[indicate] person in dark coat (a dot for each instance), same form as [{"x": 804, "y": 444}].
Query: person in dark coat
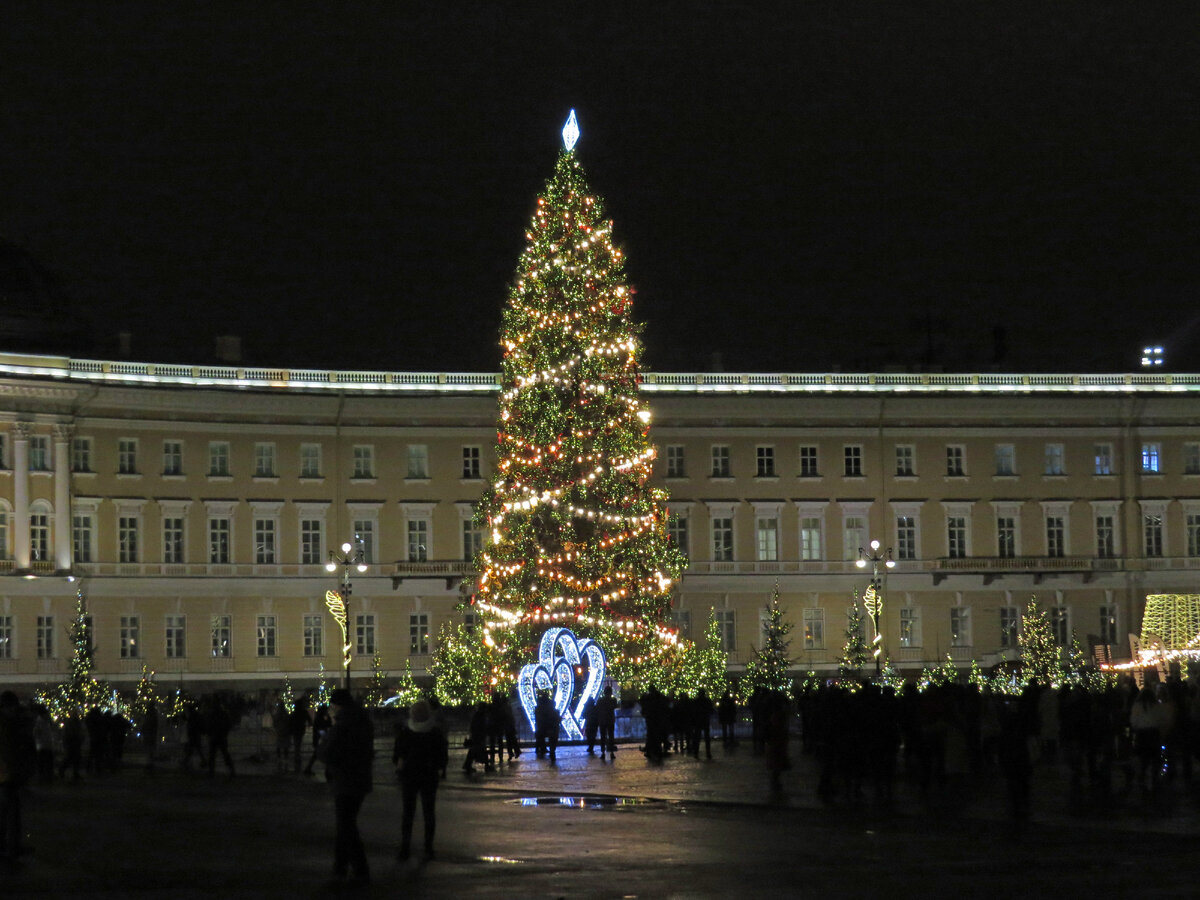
[
  {"x": 477, "y": 740},
  {"x": 347, "y": 753},
  {"x": 606, "y": 721},
  {"x": 297, "y": 726},
  {"x": 511, "y": 743},
  {"x": 727, "y": 716},
  {"x": 420, "y": 755},
  {"x": 220, "y": 723},
  {"x": 320, "y": 726},
  {"x": 547, "y": 721},
  {"x": 17, "y": 764},
  {"x": 591, "y": 725}
]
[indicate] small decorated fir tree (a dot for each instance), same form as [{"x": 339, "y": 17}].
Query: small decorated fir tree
[
  {"x": 855, "y": 651},
  {"x": 1041, "y": 659},
  {"x": 768, "y": 670}
]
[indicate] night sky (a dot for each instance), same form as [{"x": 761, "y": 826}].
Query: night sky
[{"x": 797, "y": 186}]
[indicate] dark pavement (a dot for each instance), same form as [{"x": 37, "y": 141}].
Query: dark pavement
[{"x": 585, "y": 828}]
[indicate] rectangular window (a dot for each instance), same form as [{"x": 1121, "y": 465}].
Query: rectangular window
[
  {"x": 39, "y": 454},
  {"x": 81, "y": 454},
  {"x": 852, "y": 460},
  {"x": 418, "y": 461},
  {"x": 1108, "y": 624},
  {"x": 218, "y": 458},
  {"x": 364, "y": 538},
  {"x": 266, "y": 628},
  {"x": 83, "y": 527},
  {"x": 1006, "y": 459},
  {"x": 418, "y": 633},
  {"x": 722, "y": 539},
  {"x": 6, "y": 637},
  {"x": 364, "y": 635},
  {"x": 1193, "y": 534},
  {"x": 727, "y": 626},
  {"x": 172, "y": 532},
  {"x": 1102, "y": 459},
  {"x": 364, "y": 461},
  {"x": 764, "y": 458},
  {"x": 1010, "y": 625},
  {"x": 1152, "y": 529},
  {"x": 39, "y": 535},
  {"x": 1056, "y": 536},
  {"x": 1105, "y": 537},
  {"x": 1152, "y": 459},
  {"x": 311, "y": 542},
  {"x": 127, "y": 456},
  {"x": 1060, "y": 625},
  {"x": 1006, "y": 537},
  {"x": 264, "y": 461},
  {"x": 720, "y": 461},
  {"x": 960, "y": 626},
  {"x": 176, "y": 633},
  {"x": 130, "y": 637},
  {"x": 4, "y": 534},
  {"x": 310, "y": 460},
  {"x": 910, "y": 628},
  {"x": 219, "y": 528},
  {"x": 906, "y": 537},
  {"x": 808, "y": 462},
  {"x": 221, "y": 632},
  {"x": 172, "y": 458},
  {"x": 127, "y": 539},
  {"x": 814, "y": 629},
  {"x": 956, "y": 537},
  {"x": 1191, "y": 458},
  {"x": 314, "y": 635},
  {"x": 418, "y": 540},
  {"x": 906, "y": 460},
  {"x": 264, "y": 541},
  {"x": 677, "y": 530},
  {"x": 470, "y": 463},
  {"x": 675, "y": 467},
  {"x": 45, "y": 637},
  {"x": 472, "y": 539},
  {"x": 1055, "y": 459},
  {"x": 854, "y": 536},
  {"x": 766, "y": 530},
  {"x": 955, "y": 460},
  {"x": 810, "y": 538}
]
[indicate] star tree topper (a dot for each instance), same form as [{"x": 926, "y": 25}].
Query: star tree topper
[{"x": 570, "y": 132}]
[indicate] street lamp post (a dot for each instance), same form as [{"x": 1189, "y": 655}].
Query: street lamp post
[
  {"x": 352, "y": 556},
  {"x": 873, "y": 596}
]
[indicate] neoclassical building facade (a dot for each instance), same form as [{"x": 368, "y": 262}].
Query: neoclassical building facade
[{"x": 195, "y": 508}]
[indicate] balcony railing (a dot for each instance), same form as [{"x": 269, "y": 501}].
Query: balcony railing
[{"x": 95, "y": 370}]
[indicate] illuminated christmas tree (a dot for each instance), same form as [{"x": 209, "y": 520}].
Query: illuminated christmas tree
[
  {"x": 81, "y": 692},
  {"x": 460, "y": 668},
  {"x": 323, "y": 688},
  {"x": 145, "y": 695},
  {"x": 575, "y": 536},
  {"x": 855, "y": 651},
  {"x": 769, "y": 668},
  {"x": 406, "y": 691},
  {"x": 1040, "y": 657},
  {"x": 377, "y": 689},
  {"x": 705, "y": 664}
]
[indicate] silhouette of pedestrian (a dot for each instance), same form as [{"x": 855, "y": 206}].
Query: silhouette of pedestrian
[
  {"x": 701, "y": 726},
  {"x": 606, "y": 721},
  {"x": 72, "y": 738},
  {"x": 510, "y": 730},
  {"x": 547, "y": 721},
  {"x": 419, "y": 755},
  {"x": 17, "y": 764},
  {"x": 220, "y": 723},
  {"x": 590, "y": 725},
  {"x": 297, "y": 726},
  {"x": 477, "y": 740},
  {"x": 727, "y": 717},
  {"x": 347, "y": 753}
]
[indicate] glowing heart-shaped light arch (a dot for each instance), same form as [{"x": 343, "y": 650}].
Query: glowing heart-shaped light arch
[{"x": 558, "y": 655}]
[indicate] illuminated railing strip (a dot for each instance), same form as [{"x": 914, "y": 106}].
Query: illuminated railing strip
[{"x": 110, "y": 371}]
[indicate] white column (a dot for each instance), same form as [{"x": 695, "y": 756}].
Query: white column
[
  {"x": 62, "y": 498},
  {"x": 21, "y": 543}
]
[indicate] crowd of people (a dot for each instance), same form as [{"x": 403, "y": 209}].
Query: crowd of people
[{"x": 862, "y": 737}]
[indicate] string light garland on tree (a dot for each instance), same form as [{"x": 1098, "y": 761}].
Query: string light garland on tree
[
  {"x": 855, "y": 651},
  {"x": 574, "y": 535},
  {"x": 1040, "y": 657},
  {"x": 81, "y": 692},
  {"x": 768, "y": 670}
]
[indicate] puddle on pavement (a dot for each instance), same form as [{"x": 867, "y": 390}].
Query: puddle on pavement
[{"x": 589, "y": 802}]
